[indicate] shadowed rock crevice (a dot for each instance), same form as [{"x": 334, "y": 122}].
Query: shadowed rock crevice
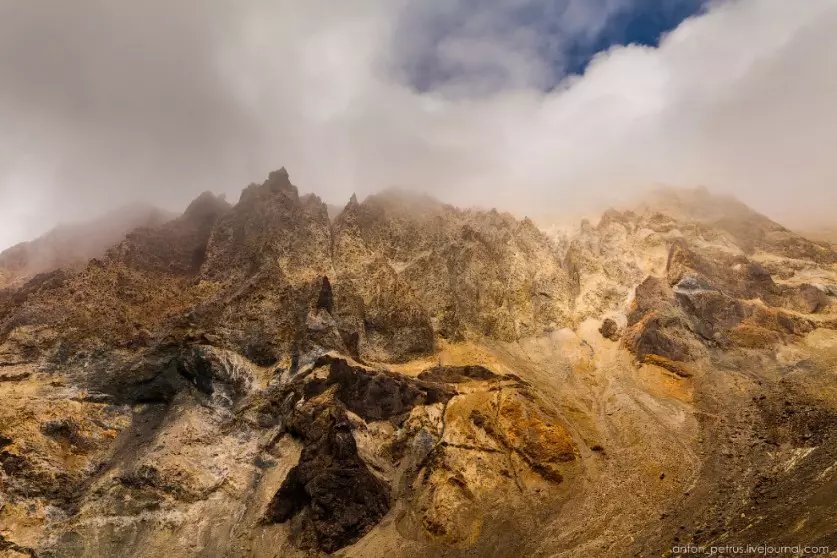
[
  {"x": 325, "y": 300},
  {"x": 373, "y": 394},
  {"x": 457, "y": 374}
]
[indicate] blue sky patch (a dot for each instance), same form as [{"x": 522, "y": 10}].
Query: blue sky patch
[
  {"x": 488, "y": 45},
  {"x": 644, "y": 23}
]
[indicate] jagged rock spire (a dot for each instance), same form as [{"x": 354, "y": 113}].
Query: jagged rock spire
[{"x": 279, "y": 180}]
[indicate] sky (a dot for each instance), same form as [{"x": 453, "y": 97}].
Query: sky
[{"x": 534, "y": 106}]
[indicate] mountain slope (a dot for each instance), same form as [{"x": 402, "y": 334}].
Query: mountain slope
[
  {"x": 409, "y": 378},
  {"x": 69, "y": 245}
]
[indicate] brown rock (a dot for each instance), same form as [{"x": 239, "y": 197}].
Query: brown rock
[
  {"x": 331, "y": 497},
  {"x": 609, "y": 329}
]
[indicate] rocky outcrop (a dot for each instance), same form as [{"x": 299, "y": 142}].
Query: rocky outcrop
[
  {"x": 659, "y": 332},
  {"x": 609, "y": 329},
  {"x": 719, "y": 299},
  {"x": 330, "y": 496}
]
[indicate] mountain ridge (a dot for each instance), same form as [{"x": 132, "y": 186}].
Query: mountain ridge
[{"x": 409, "y": 377}]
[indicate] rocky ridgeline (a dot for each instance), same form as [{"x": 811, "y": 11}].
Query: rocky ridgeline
[
  {"x": 409, "y": 377},
  {"x": 396, "y": 273}
]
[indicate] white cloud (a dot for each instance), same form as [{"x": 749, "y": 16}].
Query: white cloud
[{"x": 740, "y": 99}]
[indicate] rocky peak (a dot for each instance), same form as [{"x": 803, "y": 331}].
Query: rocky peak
[
  {"x": 207, "y": 206},
  {"x": 280, "y": 182},
  {"x": 277, "y": 186},
  {"x": 615, "y": 217},
  {"x": 728, "y": 219},
  {"x": 270, "y": 223},
  {"x": 347, "y": 216},
  {"x": 176, "y": 247}
]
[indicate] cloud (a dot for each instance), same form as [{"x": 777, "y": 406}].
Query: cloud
[
  {"x": 471, "y": 47},
  {"x": 105, "y": 103}
]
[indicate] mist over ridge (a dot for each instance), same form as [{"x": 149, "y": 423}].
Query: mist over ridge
[{"x": 121, "y": 105}]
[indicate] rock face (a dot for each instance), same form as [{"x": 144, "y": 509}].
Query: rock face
[{"x": 406, "y": 378}]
